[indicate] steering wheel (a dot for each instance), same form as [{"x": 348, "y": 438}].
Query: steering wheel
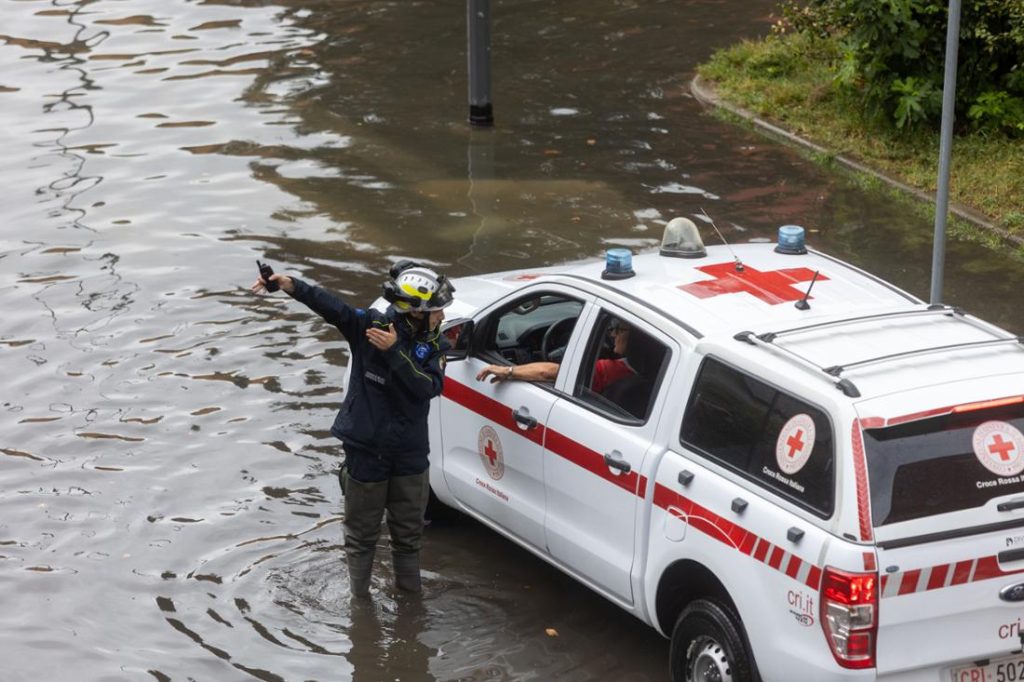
[{"x": 553, "y": 332}]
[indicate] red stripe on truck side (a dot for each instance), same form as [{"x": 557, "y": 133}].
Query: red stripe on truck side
[
  {"x": 592, "y": 461},
  {"x": 697, "y": 517},
  {"x": 962, "y": 572},
  {"x": 556, "y": 442},
  {"x": 937, "y": 579},
  {"x": 748, "y": 543},
  {"x": 720, "y": 528},
  {"x": 738, "y": 536},
  {"x": 726, "y": 532},
  {"x": 490, "y": 409},
  {"x": 814, "y": 578},
  {"x": 793, "y": 569},
  {"x": 988, "y": 567},
  {"x": 909, "y": 583}
]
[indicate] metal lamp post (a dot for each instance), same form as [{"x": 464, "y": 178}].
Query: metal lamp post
[{"x": 945, "y": 151}]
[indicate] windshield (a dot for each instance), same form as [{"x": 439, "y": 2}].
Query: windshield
[{"x": 945, "y": 463}]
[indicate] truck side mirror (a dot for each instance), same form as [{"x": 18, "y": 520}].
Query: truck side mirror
[{"x": 459, "y": 333}]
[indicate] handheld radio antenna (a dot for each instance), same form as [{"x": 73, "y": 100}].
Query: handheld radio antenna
[{"x": 739, "y": 263}]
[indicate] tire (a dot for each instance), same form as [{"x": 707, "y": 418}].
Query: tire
[{"x": 708, "y": 645}]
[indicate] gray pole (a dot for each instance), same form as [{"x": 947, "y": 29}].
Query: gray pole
[
  {"x": 478, "y": 26},
  {"x": 945, "y": 150}
]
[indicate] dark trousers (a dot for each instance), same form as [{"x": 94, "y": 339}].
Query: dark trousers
[{"x": 402, "y": 496}]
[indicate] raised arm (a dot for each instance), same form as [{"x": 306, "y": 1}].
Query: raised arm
[{"x": 347, "y": 319}]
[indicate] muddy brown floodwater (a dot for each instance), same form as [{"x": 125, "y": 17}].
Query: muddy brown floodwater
[{"x": 167, "y": 479}]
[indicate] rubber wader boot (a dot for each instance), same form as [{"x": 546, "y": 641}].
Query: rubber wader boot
[
  {"x": 407, "y": 500},
  {"x": 359, "y": 570},
  {"x": 407, "y": 572},
  {"x": 364, "y": 508}
]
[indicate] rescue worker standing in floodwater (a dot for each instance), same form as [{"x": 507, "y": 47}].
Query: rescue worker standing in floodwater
[{"x": 397, "y": 368}]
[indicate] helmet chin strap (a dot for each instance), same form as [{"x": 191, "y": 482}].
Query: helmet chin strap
[{"x": 422, "y": 320}]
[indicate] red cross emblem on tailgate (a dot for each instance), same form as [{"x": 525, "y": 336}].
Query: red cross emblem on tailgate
[
  {"x": 772, "y": 287},
  {"x": 1001, "y": 447}
]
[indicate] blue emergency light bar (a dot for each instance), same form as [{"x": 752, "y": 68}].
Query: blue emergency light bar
[
  {"x": 618, "y": 264},
  {"x": 791, "y": 240}
]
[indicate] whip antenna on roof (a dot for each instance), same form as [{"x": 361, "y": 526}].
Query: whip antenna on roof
[
  {"x": 802, "y": 304},
  {"x": 739, "y": 263}
]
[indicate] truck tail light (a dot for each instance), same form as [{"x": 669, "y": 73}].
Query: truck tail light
[{"x": 849, "y": 616}]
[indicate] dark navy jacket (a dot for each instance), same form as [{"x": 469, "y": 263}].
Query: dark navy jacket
[{"x": 388, "y": 396}]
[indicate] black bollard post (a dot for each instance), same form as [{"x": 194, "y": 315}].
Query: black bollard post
[{"x": 478, "y": 26}]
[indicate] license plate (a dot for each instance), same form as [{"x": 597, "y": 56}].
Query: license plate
[{"x": 1009, "y": 669}]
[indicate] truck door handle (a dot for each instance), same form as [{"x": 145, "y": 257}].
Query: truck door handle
[
  {"x": 524, "y": 419},
  {"x": 615, "y": 461}
]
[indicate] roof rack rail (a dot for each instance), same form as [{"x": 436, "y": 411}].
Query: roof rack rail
[
  {"x": 848, "y": 388},
  {"x": 766, "y": 340},
  {"x": 836, "y": 370},
  {"x": 939, "y": 309}
]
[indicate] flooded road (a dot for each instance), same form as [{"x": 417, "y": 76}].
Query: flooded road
[{"x": 166, "y": 471}]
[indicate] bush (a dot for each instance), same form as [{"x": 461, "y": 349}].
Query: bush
[{"x": 892, "y": 53}]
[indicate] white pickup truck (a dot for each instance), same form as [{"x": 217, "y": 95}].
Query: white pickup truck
[{"x": 804, "y": 473}]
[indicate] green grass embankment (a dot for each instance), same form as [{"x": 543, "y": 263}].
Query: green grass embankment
[{"x": 788, "y": 81}]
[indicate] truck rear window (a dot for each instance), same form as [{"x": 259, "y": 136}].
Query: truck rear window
[{"x": 946, "y": 463}]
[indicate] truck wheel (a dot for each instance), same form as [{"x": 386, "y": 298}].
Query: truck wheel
[{"x": 708, "y": 645}]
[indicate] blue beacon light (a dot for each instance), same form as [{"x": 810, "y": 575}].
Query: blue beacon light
[
  {"x": 618, "y": 264},
  {"x": 791, "y": 240}
]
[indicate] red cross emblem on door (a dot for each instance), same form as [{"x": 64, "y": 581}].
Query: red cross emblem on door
[
  {"x": 489, "y": 447},
  {"x": 772, "y": 287},
  {"x": 490, "y": 453}
]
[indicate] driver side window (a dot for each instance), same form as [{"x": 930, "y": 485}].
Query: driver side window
[
  {"x": 534, "y": 328},
  {"x": 622, "y": 369}
]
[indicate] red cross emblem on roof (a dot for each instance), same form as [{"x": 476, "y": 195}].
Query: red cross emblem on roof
[{"x": 772, "y": 287}]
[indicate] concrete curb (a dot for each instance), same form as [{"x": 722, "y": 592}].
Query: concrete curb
[{"x": 707, "y": 96}]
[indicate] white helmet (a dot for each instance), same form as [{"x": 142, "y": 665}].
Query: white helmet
[{"x": 414, "y": 287}]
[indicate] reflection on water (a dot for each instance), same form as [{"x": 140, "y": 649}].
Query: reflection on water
[{"x": 168, "y": 480}]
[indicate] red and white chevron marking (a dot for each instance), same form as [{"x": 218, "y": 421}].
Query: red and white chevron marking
[{"x": 940, "y": 576}]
